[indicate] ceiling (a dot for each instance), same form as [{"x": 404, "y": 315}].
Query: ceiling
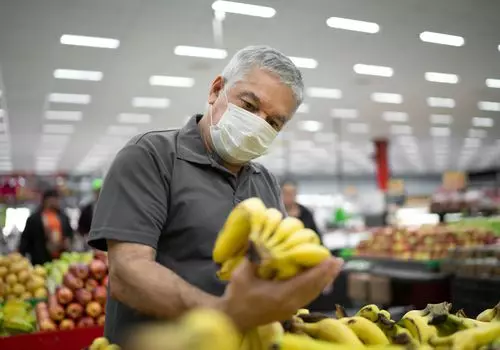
[{"x": 148, "y": 31}]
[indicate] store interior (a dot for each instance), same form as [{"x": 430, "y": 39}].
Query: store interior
[{"x": 394, "y": 150}]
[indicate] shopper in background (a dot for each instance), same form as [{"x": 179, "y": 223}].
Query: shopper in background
[
  {"x": 87, "y": 212},
  {"x": 289, "y": 194},
  {"x": 48, "y": 232},
  {"x": 168, "y": 193}
]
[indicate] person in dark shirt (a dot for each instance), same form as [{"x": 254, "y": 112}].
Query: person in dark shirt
[
  {"x": 87, "y": 212},
  {"x": 289, "y": 195}
]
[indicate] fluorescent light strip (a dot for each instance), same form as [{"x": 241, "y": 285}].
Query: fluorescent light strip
[
  {"x": 58, "y": 129},
  {"x": 150, "y": 102},
  {"x": 367, "y": 69},
  {"x": 344, "y": 113},
  {"x": 310, "y": 125},
  {"x": 70, "y": 98},
  {"x": 353, "y": 25},
  {"x": 161, "y": 80},
  {"x": 303, "y": 108},
  {"x": 90, "y": 41},
  {"x": 70, "y": 116},
  {"x": 320, "y": 92},
  {"x": 399, "y": 117},
  {"x": 489, "y": 106},
  {"x": 134, "y": 118},
  {"x": 358, "y": 128},
  {"x": 77, "y": 74},
  {"x": 441, "y": 77},
  {"x": 440, "y": 102},
  {"x": 441, "y": 119},
  {"x": 303, "y": 62},
  {"x": 204, "y": 52},
  {"x": 493, "y": 83},
  {"x": 472, "y": 142},
  {"x": 385, "y": 97},
  {"x": 482, "y": 122},
  {"x": 477, "y": 133},
  {"x": 440, "y": 131},
  {"x": 243, "y": 9},
  {"x": 401, "y": 129},
  {"x": 442, "y": 39}
]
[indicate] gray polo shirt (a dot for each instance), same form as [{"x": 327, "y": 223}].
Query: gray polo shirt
[{"x": 165, "y": 191}]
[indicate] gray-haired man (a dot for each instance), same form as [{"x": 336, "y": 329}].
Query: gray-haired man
[{"x": 168, "y": 193}]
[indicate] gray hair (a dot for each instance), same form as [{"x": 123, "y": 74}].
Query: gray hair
[{"x": 267, "y": 58}]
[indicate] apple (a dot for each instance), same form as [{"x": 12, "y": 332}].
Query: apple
[
  {"x": 105, "y": 282},
  {"x": 98, "y": 269},
  {"x": 83, "y": 296},
  {"x": 72, "y": 282},
  {"x": 56, "y": 312},
  {"x": 67, "y": 324},
  {"x": 100, "y": 294},
  {"x": 64, "y": 295},
  {"x": 47, "y": 325},
  {"x": 74, "y": 310},
  {"x": 93, "y": 309},
  {"x": 85, "y": 322},
  {"x": 91, "y": 284},
  {"x": 101, "y": 320},
  {"x": 80, "y": 271}
]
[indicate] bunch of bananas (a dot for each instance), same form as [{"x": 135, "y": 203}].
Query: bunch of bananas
[{"x": 281, "y": 247}]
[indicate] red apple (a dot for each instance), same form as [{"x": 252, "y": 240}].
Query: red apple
[
  {"x": 80, "y": 271},
  {"x": 67, "y": 324},
  {"x": 93, "y": 309},
  {"x": 85, "y": 322},
  {"x": 64, "y": 295},
  {"x": 56, "y": 311},
  {"x": 72, "y": 282},
  {"x": 83, "y": 296},
  {"x": 74, "y": 310},
  {"x": 47, "y": 325},
  {"x": 101, "y": 320},
  {"x": 91, "y": 284},
  {"x": 105, "y": 281},
  {"x": 98, "y": 269},
  {"x": 100, "y": 294}
]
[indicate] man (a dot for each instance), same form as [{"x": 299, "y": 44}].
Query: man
[
  {"x": 289, "y": 193},
  {"x": 88, "y": 210},
  {"x": 47, "y": 232},
  {"x": 167, "y": 194}
]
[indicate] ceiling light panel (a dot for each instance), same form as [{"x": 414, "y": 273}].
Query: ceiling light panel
[
  {"x": 77, "y": 74},
  {"x": 243, "y": 9},
  {"x": 161, "y": 80},
  {"x": 442, "y": 39},
  {"x": 358, "y": 128},
  {"x": 90, "y": 41},
  {"x": 472, "y": 142},
  {"x": 440, "y": 102},
  {"x": 489, "y": 106},
  {"x": 441, "y": 119},
  {"x": 70, "y": 116},
  {"x": 401, "y": 129},
  {"x": 150, "y": 102},
  {"x": 480, "y": 122},
  {"x": 353, "y": 25},
  {"x": 134, "y": 118},
  {"x": 367, "y": 69},
  {"x": 440, "y": 131},
  {"x": 319, "y": 92},
  {"x": 203, "y": 52},
  {"x": 303, "y": 108},
  {"x": 385, "y": 97},
  {"x": 69, "y": 98},
  {"x": 477, "y": 133},
  {"x": 310, "y": 125},
  {"x": 344, "y": 113},
  {"x": 303, "y": 62},
  {"x": 58, "y": 129},
  {"x": 395, "y": 117},
  {"x": 493, "y": 83},
  {"x": 441, "y": 78}
]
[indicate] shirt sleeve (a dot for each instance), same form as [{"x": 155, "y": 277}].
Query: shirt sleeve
[{"x": 132, "y": 205}]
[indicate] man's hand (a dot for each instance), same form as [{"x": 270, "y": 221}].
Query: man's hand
[{"x": 251, "y": 301}]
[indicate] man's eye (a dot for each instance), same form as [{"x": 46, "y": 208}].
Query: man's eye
[
  {"x": 248, "y": 106},
  {"x": 275, "y": 125}
]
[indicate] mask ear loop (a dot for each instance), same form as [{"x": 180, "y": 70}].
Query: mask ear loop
[{"x": 211, "y": 106}]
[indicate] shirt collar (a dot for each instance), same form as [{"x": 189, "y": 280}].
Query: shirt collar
[{"x": 190, "y": 145}]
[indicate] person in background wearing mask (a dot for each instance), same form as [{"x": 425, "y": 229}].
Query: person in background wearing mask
[
  {"x": 48, "y": 232},
  {"x": 87, "y": 211},
  {"x": 289, "y": 193},
  {"x": 168, "y": 193}
]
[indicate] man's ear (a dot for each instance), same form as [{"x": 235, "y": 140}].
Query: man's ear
[{"x": 215, "y": 89}]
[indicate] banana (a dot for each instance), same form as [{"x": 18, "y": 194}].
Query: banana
[
  {"x": 272, "y": 219},
  {"x": 286, "y": 269},
  {"x": 489, "y": 315},
  {"x": 394, "y": 332},
  {"x": 331, "y": 330},
  {"x": 306, "y": 235},
  {"x": 461, "y": 313},
  {"x": 227, "y": 268},
  {"x": 418, "y": 326},
  {"x": 270, "y": 334},
  {"x": 287, "y": 226},
  {"x": 247, "y": 217},
  {"x": 370, "y": 312},
  {"x": 291, "y": 341},
  {"x": 470, "y": 339},
  {"x": 302, "y": 312},
  {"x": 340, "y": 311},
  {"x": 250, "y": 340},
  {"x": 366, "y": 330},
  {"x": 99, "y": 344},
  {"x": 305, "y": 255}
]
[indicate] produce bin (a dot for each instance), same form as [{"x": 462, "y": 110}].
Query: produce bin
[
  {"x": 474, "y": 294},
  {"x": 76, "y": 339}
]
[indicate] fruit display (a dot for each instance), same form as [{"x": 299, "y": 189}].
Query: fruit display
[
  {"x": 423, "y": 243},
  {"x": 103, "y": 344},
  {"x": 16, "y": 317},
  {"x": 57, "y": 268},
  {"x": 20, "y": 280},
  {"x": 79, "y": 301}
]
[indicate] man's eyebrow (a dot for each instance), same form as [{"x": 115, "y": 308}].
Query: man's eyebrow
[
  {"x": 281, "y": 118},
  {"x": 250, "y": 95}
]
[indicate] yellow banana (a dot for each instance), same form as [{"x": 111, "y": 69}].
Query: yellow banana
[
  {"x": 286, "y": 227},
  {"x": 489, "y": 315},
  {"x": 291, "y": 341},
  {"x": 418, "y": 326},
  {"x": 394, "y": 332},
  {"x": 366, "y": 330},
  {"x": 470, "y": 339},
  {"x": 247, "y": 217},
  {"x": 272, "y": 219},
  {"x": 270, "y": 334},
  {"x": 306, "y": 254},
  {"x": 286, "y": 269},
  {"x": 251, "y": 341},
  {"x": 227, "y": 268},
  {"x": 306, "y": 235},
  {"x": 330, "y": 330},
  {"x": 370, "y": 312},
  {"x": 302, "y": 312}
]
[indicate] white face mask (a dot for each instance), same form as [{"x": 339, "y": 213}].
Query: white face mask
[{"x": 240, "y": 135}]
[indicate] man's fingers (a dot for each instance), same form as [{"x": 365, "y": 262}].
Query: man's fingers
[{"x": 319, "y": 276}]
